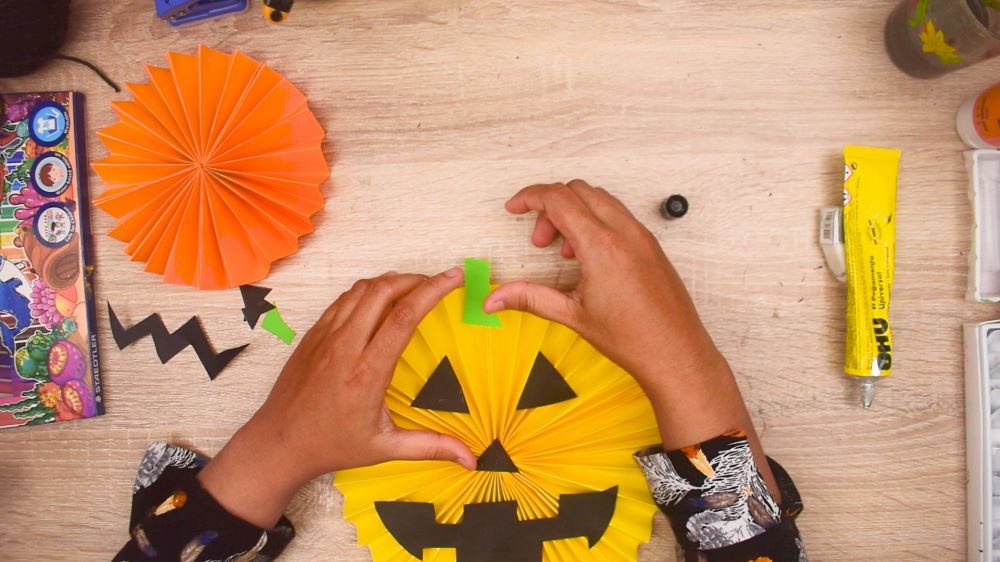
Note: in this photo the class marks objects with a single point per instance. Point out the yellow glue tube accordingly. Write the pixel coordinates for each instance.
(870, 247)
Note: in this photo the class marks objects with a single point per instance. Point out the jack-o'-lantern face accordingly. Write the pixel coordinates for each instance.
(554, 424)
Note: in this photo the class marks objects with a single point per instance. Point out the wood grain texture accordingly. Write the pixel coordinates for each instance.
(436, 111)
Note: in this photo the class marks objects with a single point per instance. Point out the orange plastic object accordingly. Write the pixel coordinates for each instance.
(214, 169)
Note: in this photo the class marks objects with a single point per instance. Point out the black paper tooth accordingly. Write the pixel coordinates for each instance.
(254, 305)
(170, 344)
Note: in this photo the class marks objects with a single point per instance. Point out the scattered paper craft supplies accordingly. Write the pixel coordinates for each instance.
(168, 344)
(477, 288)
(555, 425)
(213, 170)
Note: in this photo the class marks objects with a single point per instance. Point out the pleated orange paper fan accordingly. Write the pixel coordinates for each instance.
(214, 169)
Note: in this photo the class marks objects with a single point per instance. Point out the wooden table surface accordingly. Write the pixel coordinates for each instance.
(436, 111)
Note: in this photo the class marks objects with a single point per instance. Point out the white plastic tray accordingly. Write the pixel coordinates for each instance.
(984, 194)
(979, 437)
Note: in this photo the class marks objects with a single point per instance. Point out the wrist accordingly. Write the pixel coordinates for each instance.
(669, 361)
(252, 477)
(696, 402)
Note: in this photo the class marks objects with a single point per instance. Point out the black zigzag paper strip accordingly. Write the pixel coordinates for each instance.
(254, 304)
(170, 344)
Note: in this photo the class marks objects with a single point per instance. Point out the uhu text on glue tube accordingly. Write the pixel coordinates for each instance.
(869, 246)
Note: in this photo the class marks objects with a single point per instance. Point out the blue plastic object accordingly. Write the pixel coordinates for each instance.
(181, 12)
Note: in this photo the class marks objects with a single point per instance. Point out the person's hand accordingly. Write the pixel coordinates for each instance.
(633, 307)
(630, 302)
(327, 409)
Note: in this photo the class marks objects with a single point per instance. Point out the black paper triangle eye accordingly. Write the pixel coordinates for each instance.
(545, 386)
(442, 391)
(495, 459)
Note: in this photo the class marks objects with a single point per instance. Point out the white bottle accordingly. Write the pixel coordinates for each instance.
(978, 119)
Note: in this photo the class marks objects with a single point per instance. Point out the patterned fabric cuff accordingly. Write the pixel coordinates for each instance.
(716, 499)
(174, 518)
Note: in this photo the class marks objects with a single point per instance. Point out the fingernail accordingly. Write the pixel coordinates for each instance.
(453, 272)
(494, 306)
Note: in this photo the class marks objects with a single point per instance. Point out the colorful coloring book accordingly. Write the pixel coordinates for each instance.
(48, 341)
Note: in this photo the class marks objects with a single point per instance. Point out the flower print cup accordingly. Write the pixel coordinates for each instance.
(928, 38)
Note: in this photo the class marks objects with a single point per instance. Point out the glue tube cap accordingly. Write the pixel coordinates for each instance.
(674, 207)
(831, 240)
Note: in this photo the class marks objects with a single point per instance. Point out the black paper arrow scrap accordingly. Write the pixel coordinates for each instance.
(168, 344)
(254, 305)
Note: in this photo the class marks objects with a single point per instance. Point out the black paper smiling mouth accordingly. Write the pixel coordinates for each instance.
(491, 532)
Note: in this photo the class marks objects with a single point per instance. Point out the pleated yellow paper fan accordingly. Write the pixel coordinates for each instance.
(554, 423)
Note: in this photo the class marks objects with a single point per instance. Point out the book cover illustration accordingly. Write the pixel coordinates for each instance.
(48, 343)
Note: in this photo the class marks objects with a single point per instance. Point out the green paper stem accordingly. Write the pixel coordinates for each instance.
(274, 323)
(477, 288)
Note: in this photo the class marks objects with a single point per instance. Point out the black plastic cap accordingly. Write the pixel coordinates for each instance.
(674, 207)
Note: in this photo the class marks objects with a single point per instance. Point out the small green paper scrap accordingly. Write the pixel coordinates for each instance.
(274, 323)
(477, 288)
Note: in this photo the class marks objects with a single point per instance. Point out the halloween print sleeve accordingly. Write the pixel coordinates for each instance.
(174, 518)
(719, 506)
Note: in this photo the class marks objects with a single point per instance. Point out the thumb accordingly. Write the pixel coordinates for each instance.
(414, 445)
(540, 300)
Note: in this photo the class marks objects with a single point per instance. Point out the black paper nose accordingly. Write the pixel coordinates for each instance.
(495, 459)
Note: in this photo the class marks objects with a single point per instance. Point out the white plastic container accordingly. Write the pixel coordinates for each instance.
(978, 119)
(982, 435)
(984, 194)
